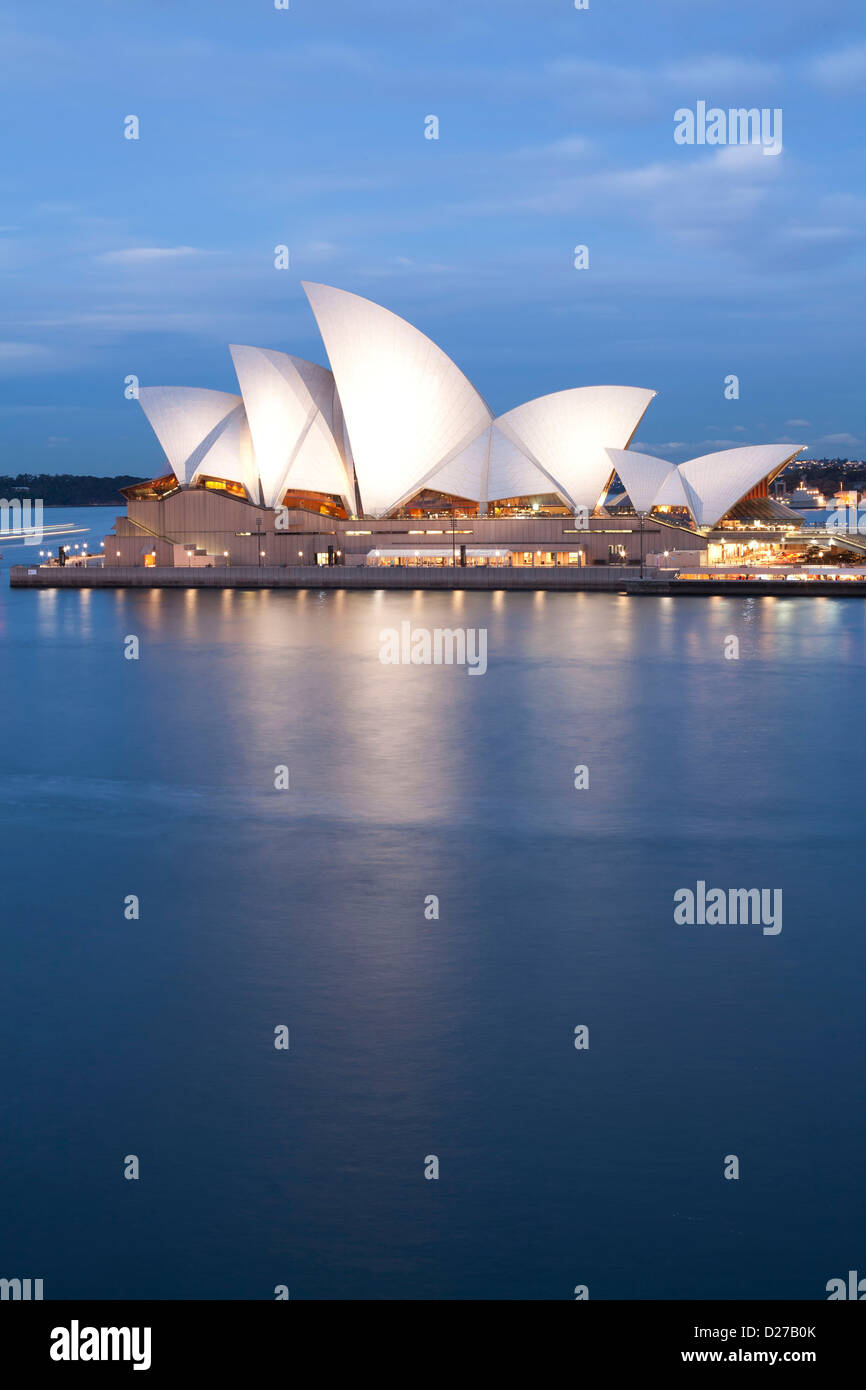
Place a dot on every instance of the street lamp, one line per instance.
(226, 556)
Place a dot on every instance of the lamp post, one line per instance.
(640, 518)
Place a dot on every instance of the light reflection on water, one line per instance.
(413, 1036)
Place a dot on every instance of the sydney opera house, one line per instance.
(390, 456)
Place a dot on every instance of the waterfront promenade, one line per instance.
(561, 578)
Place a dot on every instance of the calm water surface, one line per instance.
(412, 1037)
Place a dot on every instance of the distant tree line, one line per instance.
(67, 489)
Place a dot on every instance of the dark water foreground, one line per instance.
(413, 1037)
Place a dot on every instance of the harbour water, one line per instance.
(68, 526)
(413, 1035)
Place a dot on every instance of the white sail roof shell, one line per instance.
(490, 467)
(555, 443)
(642, 476)
(290, 409)
(709, 486)
(513, 471)
(721, 479)
(465, 473)
(187, 421)
(231, 456)
(675, 492)
(407, 406)
(568, 434)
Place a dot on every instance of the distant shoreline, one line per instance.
(67, 489)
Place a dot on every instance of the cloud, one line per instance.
(623, 93)
(307, 184)
(659, 450)
(136, 318)
(821, 236)
(335, 57)
(25, 357)
(844, 70)
(12, 351)
(568, 147)
(849, 439)
(619, 93)
(145, 255)
(403, 264)
(721, 72)
(799, 424)
(729, 200)
(318, 251)
(37, 409)
(721, 199)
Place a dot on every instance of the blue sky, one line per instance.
(305, 127)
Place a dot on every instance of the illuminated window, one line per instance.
(325, 503)
(222, 485)
(151, 491)
(538, 504)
